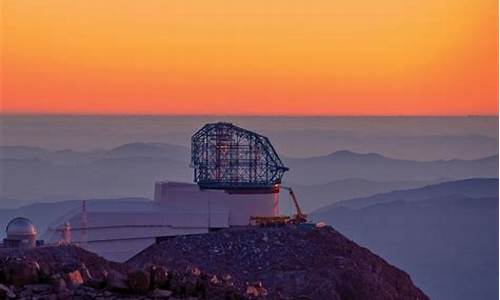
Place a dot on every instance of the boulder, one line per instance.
(116, 281)
(74, 278)
(44, 272)
(26, 293)
(95, 283)
(84, 271)
(6, 293)
(139, 281)
(159, 277)
(58, 282)
(39, 288)
(256, 289)
(160, 294)
(65, 295)
(20, 272)
(214, 280)
(48, 297)
(196, 271)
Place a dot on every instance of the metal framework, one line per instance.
(225, 156)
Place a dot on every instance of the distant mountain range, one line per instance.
(312, 197)
(444, 235)
(474, 188)
(32, 174)
(302, 142)
(71, 157)
(402, 137)
(372, 166)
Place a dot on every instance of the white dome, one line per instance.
(20, 227)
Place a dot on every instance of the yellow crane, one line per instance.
(298, 218)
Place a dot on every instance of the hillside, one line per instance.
(443, 235)
(289, 262)
(239, 263)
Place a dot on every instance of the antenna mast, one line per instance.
(84, 225)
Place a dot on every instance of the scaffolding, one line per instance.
(225, 156)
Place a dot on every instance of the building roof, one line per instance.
(20, 227)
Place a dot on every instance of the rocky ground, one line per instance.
(288, 262)
(69, 272)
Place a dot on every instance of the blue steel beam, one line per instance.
(226, 156)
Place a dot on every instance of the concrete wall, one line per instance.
(240, 205)
(179, 209)
(118, 235)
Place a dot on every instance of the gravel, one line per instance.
(285, 263)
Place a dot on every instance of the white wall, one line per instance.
(240, 206)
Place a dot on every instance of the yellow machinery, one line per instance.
(297, 218)
(269, 221)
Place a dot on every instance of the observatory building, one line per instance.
(237, 174)
(21, 233)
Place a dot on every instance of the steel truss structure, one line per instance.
(225, 156)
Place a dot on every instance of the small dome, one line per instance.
(20, 227)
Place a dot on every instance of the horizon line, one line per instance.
(3, 114)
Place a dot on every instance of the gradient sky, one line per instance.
(364, 57)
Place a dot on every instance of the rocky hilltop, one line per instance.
(70, 272)
(288, 262)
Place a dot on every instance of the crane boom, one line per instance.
(299, 217)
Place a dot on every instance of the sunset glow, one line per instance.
(320, 57)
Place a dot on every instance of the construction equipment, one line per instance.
(296, 219)
(269, 221)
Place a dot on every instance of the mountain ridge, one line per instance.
(472, 187)
(442, 234)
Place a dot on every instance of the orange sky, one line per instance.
(365, 57)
